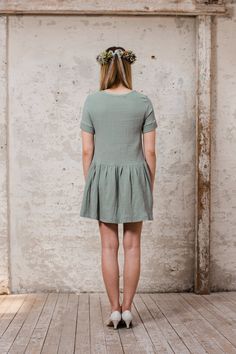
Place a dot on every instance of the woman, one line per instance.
(119, 172)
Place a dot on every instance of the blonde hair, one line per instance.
(115, 76)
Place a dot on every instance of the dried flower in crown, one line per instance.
(105, 56)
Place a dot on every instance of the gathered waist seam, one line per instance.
(118, 164)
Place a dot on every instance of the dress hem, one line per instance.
(141, 218)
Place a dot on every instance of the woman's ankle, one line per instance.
(116, 308)
(125, 308)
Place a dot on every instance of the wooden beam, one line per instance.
(112, 7)
(203, 140)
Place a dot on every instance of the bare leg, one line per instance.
(132, 253)
(110, 266)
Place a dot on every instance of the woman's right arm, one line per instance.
(149, 142)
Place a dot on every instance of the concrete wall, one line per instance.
(4, 232)
(223, 204)
(51, 69)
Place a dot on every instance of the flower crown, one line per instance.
(106, 56)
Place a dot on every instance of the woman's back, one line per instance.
(118, 121)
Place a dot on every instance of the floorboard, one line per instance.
(69, 323)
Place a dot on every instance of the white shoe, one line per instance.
(115, 318)
(127, 317)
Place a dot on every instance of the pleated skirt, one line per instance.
(118, 193)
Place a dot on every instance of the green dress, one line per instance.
(118, 184)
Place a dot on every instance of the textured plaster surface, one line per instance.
(52, 68)
(4, 275)
(223, 193)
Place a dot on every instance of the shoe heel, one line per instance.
(127, 322)
(115, 323)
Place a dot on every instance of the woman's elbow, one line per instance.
(150, 152)
(87, 151)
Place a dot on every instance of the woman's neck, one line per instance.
(118, 89)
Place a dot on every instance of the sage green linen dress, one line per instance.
(118, 184)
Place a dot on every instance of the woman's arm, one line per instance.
(149, 142)
(87, 150)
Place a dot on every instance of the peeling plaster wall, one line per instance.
(223, 193)
(3, 160)
(52, 68)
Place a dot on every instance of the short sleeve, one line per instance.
(150, 122)
(86, 120)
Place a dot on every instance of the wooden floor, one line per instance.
(75, 323)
